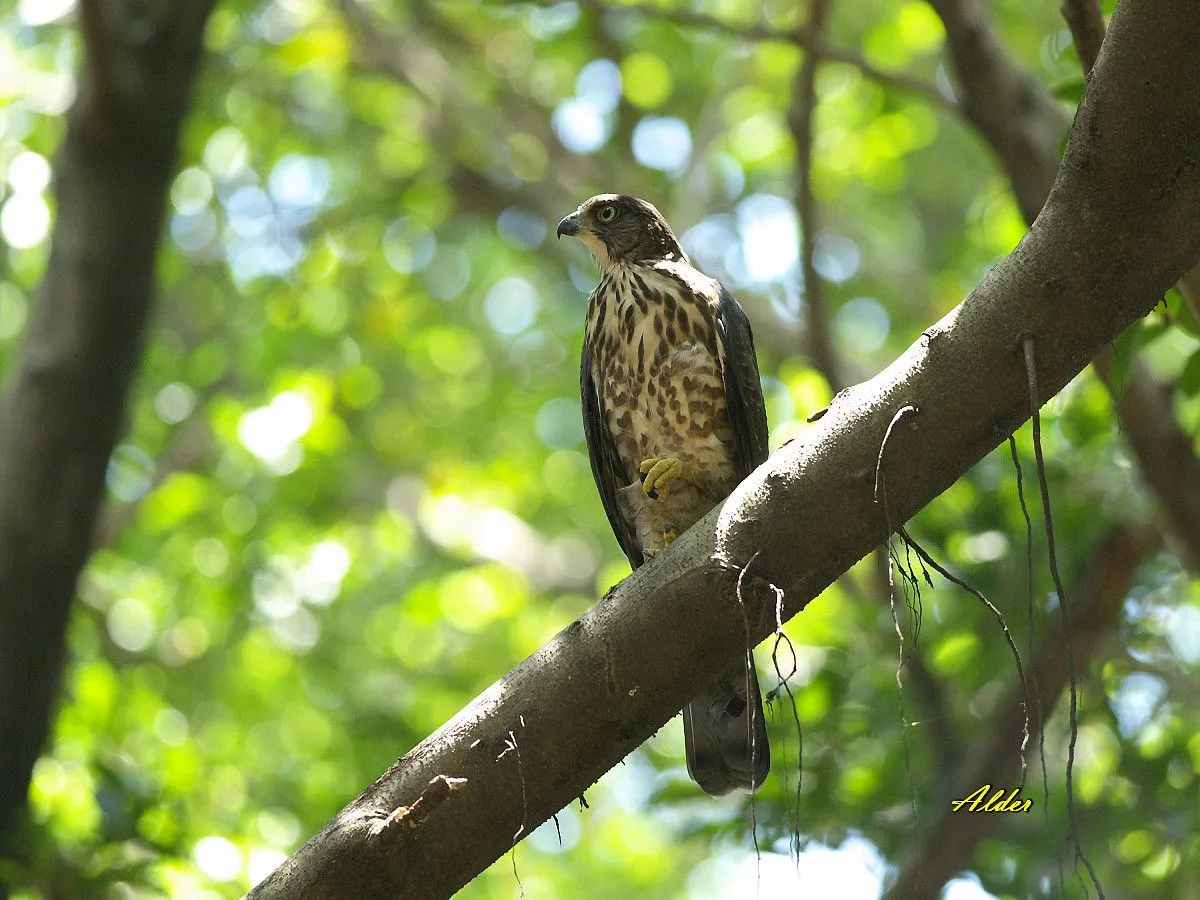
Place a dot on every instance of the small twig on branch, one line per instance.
(999, 616)
(1063, 604)
(1086, 22)
(410, 817)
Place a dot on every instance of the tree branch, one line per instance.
(800, 116)
(804, 37)
(1017, 118)
(1086, 22)
(950, 843)
(996, 110)
(65, 400)
(609, 680)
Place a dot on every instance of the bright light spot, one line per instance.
(1134, 701)
(770, 236)
(271, 432)
(709, 240)
(300, 181)
(299, 631)
(1183, 633)
(546, 22)
(521, 227)
(321, 577)
(218, 858)
(43, 12)
(263, 861)
(836, 258)
(853, 871)
(599, 82)
(862, 325)
(407, 246)
(966, 888)
(580, 125)
(450, 275)
(196, 232)
(250, 211)
(275, 594)
(130, 624)
(191, 190)
(663, 143)
(25, 220)
(488, 532)
(985, 547)
(174, 402)
(511, 305)
(211, 557)
(171, 727)
(558, 423)
(29, 173)
(129, 472)
(226, 154)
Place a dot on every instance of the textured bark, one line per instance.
(63, 406)
(949, 845)
(1167, 463)
(609, 680)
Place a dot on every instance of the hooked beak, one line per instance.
(569, 225)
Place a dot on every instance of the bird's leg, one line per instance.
(658, 472)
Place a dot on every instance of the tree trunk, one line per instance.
(65, 401)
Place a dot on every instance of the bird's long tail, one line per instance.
(725, 734)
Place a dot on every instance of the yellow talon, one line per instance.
(657, 473)
(669, 536)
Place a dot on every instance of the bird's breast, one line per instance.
(656, 361)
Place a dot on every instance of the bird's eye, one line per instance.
(607, 213)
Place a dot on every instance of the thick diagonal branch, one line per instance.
(609, 680)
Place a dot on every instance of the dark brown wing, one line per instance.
(606, 464)
(743, 391)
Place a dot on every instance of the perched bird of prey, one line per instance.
(674, 418)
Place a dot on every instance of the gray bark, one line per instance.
(1118, 229)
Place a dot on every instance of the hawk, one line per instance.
(674, 418)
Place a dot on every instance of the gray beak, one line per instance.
(569, 225)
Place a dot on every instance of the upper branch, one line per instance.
(805, 36)
(1167, 463)
(800, 120)
(1086, 22)
(606, 682)
(1021, 122)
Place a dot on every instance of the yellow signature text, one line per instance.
(984, 799)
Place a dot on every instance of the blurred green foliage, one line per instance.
(353, 491)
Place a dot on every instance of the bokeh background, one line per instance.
(353, 491)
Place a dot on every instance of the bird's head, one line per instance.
(620, 229)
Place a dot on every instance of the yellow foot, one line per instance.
(657, 473)
(668, 536)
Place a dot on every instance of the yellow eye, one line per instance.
(607, 213)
